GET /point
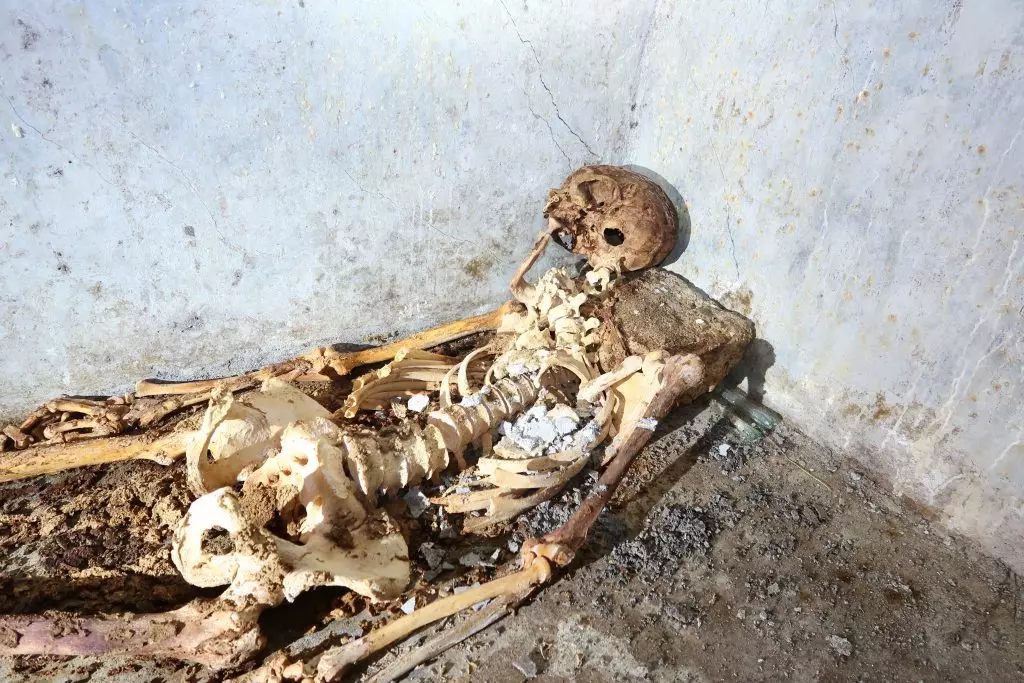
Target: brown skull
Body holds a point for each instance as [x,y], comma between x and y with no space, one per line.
[614,217]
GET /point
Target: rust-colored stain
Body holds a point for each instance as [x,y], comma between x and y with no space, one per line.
[912,35]
[981,150]
[886,53]
[929,513]
[738,300]
[852,409]
[882,409]
[891,318]
[477,266]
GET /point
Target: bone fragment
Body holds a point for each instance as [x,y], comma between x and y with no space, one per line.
[471,625]
[213,633]
[677,376]
[55,458]
[335,661]
[326,363]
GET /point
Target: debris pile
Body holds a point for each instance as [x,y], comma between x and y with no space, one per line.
[669,535]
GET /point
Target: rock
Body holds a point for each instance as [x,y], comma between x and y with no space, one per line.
[648,423]
[537,412]
[565,426]
[526,665]
[655,309]
[432,554]
[842,646]
[416,501]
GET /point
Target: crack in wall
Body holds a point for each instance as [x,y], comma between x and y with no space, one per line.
[540,76]
[732,242]
[628,137]
[551,130]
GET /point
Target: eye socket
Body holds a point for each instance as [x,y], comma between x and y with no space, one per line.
[564,239]
[614,236]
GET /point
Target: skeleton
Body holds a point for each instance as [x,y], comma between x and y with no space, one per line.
[296,489]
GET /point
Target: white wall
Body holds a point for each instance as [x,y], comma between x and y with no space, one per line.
[856,170]
[196,188]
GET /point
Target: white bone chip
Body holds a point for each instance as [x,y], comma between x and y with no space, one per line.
[409,606]
[418,402]
[723,449]
[472,400]
[648,423]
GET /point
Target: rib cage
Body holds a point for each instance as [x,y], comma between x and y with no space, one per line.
[382,463]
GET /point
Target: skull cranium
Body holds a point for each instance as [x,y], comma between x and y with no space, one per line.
[615,217]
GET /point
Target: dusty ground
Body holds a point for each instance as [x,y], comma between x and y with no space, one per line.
[760,561]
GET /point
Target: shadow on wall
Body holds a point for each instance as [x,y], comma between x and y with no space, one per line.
[683,235]
[759,356]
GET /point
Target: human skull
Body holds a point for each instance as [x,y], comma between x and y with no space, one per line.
[615,217]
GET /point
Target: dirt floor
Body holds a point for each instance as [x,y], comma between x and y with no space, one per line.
[724,558]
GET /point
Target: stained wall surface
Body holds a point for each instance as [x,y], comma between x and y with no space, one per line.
[197,188]
[854,178]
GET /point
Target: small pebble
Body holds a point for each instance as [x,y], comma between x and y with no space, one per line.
[841,645]
[416,501]
[526,666]
[432,554]
[648,423]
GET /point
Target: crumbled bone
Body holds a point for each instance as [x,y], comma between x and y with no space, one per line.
[373,562]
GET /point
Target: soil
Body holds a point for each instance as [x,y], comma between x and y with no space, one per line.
[723,558]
